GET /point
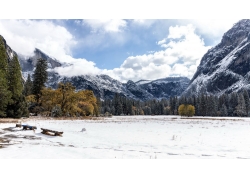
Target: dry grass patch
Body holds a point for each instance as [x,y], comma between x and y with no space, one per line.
[65,118]
[12,120]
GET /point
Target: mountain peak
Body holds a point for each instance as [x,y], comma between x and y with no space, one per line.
[29,63]
[223,68]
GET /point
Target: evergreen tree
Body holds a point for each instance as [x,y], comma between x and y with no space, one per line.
[17,104]
[28,86]
[247,102]
[119,108]
[4,92]
[223,110]
[241,107]
[222,100]
[196,105]
[172,105]
[203,105]
[211,106]
[97,109]
[233,104]
[227,102]
[40,77]
[177,105]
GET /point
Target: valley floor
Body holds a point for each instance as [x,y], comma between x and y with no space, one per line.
[129,137]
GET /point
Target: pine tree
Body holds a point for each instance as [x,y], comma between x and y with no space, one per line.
[97,109]
[196,105]
[40,77]
[119,109]
[4,92]
[241,107]
[233,103]
[28,86]
[223,110]
[211,106]
[130,108]
[17,104]
[177,105]
[203,105]
[247,102]
[172,105]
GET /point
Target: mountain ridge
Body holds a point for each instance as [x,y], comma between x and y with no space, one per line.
[225,67]
[102,85]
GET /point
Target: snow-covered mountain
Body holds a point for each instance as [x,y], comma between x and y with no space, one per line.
[225,68]
[171,86]
[104,86]
[28,63]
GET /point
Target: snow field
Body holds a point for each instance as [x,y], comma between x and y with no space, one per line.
[130,137]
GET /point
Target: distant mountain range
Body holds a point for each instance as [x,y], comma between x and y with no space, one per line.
[225,68]
[104,86]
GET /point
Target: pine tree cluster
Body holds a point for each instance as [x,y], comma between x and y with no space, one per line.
[234,104]
[12,99]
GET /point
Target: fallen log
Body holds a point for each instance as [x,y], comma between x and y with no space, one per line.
[51,132]
[18,125]
[26,127]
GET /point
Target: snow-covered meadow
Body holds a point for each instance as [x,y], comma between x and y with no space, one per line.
[129,137]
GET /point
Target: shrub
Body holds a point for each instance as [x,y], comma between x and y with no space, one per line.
[186,110]
[56,111]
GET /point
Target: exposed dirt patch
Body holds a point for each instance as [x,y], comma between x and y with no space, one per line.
[10,129]
[4,140]
[13,136]
[32,137]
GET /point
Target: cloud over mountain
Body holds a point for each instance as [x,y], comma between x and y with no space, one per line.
[181,54]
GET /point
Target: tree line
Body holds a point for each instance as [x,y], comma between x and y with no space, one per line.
[234,104]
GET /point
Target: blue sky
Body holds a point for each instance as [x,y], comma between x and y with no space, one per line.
[125,49]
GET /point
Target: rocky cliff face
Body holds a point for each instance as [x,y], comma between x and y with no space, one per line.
[226,67]
[138,91]
[28,63]
[167,87]
[10,53]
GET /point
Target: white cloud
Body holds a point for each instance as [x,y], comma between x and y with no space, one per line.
[183,50]
[23,36]
[214,28]
[26,35]
[144,22]
[106,25]
[78,22]
[78,67]
[104,33]
[162,41]
[179,31]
